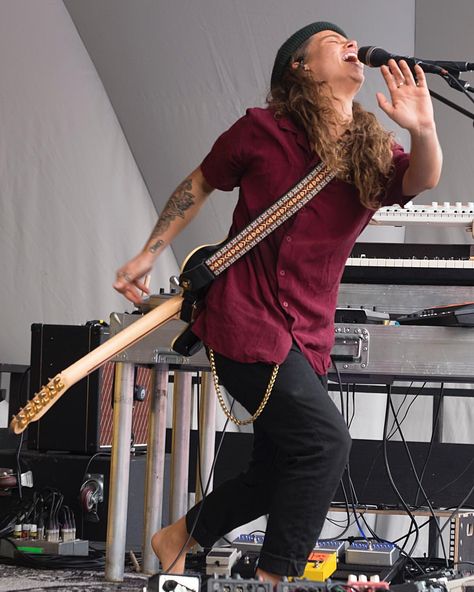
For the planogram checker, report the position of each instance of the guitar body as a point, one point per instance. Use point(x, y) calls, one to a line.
point(195, 278)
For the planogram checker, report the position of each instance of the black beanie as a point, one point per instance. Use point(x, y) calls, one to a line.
point(291, 45)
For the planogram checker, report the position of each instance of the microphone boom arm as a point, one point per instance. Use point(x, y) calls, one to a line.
point(452, 105)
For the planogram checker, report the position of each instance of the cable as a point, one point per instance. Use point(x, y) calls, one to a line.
point(389, 472)
point(204, 493)
point(456, 510)
point(415, 397)
point(347, 519)
point(412, 464)
point(349, 424)
point(454, 83)
point(20, 444)
point(339, 383)
point(432, 439)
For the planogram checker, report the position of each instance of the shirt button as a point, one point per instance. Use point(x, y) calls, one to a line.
point(282, 272)
point(285, 304)
point(288, 239)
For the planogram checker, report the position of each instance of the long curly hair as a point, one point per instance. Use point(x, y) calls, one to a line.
point(363, 154)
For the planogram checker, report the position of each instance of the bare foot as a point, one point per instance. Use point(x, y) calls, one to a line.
point(168, 542)
point(266, 576)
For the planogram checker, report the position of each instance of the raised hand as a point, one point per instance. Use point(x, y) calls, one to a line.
point(410, 103)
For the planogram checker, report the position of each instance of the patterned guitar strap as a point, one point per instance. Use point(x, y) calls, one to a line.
point(280, 211)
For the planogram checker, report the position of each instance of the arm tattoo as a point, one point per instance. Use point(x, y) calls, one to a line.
point(181, 200)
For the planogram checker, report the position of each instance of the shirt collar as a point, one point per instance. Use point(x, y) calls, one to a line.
point(287, 124)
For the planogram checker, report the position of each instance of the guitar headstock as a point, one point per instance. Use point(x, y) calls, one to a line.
point(39, 404)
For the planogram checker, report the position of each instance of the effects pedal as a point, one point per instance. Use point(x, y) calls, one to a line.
point(330, 546)
point(217, 584)
point(248, 542)
point(372, 553)
point(320, 566)
point(220, 560)
point(363, 584)
point(301, 586)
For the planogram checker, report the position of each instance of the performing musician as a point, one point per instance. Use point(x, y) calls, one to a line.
point(272, 312)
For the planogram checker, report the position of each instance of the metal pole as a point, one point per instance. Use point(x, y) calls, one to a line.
point(207, 432)
point(155, 467)
point(182, 405)
point(119, 473)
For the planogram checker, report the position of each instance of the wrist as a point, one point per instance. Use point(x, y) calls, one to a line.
point(423, 131)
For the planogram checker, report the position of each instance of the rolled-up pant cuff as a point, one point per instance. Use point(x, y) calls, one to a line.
point(199, 534)
point(282, 566)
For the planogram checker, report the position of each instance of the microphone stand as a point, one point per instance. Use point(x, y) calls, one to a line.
point(460, 85)
point(452, 105)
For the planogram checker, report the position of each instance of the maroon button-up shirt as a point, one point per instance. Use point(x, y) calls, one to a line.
point(286, 287)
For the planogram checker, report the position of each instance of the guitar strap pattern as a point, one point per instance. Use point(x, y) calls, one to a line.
point(285, 207)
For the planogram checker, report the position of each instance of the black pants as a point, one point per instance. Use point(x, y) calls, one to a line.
point(301, 446)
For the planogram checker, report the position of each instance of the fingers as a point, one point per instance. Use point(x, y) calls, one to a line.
point(384, 104)
point(400, 74)
point(132, 289)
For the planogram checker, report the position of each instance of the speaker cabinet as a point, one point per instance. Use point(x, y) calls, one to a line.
point(81, 420)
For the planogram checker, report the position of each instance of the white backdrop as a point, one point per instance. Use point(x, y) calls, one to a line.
point(105, 105)
point(73, 203)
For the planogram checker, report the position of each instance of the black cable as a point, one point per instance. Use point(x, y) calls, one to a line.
point(432, 439)
point(456, 510)
point(204, 493)
point(447, 485)
point(390, 476)
point(198, 411)
point(93, 457)
point(415, 474)
point(415, 397)
point(339, 383)
point(454, 83)
point(20, 444)
point(349, 424)
point(354, 501)
point(347, 519)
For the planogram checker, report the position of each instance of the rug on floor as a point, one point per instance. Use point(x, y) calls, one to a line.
point(26, 579)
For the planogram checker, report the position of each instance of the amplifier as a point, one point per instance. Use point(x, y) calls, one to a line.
point(81, 421)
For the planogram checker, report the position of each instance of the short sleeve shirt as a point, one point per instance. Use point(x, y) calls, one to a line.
point(285, 289)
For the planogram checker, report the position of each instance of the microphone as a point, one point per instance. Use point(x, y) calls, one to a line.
point(376, 57)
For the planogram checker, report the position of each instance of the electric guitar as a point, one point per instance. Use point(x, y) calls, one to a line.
point(195, 277)
point(199, 269)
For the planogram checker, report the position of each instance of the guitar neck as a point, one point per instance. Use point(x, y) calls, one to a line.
point(125, 338)
point(56, 387)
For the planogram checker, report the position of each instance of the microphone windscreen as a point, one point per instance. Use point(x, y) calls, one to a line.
point(373, 56)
